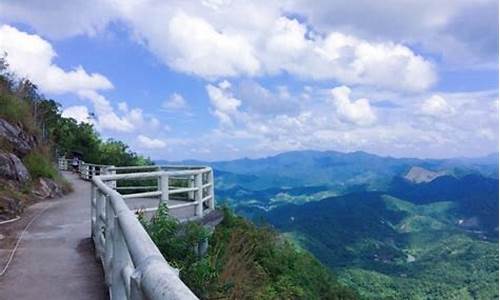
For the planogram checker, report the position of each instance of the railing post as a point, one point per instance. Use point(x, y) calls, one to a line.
point(121, 265)
point(164, 188)
point(211, 203)
point(93, 196)
point(109, 251)
point(191, 180)
point(199, 194)
point(99, 225)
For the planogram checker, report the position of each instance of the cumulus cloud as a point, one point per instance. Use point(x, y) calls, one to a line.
point(358, 111)
point(78, 112)
point(436, 106)
point(31, 56)
point(342, 118)
point(175, 103)
point(240, 38)
point(225, 105)
point(60, 18)
point(462, 31)
point(151, 143)
point(193, 45)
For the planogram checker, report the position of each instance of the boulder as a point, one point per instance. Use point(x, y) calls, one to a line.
point(21, 142)
point(9, 207)
point(11, 167)
point(47, 188)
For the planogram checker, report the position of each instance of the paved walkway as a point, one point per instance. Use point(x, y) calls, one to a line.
point(55, 258)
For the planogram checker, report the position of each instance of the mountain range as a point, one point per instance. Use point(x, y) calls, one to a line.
point(391, 228)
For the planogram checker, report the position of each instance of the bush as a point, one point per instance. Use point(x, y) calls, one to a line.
point(16, 110)
point(39, 165)
point(243, 262)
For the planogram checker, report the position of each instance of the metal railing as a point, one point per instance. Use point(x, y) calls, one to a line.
point(134, 267)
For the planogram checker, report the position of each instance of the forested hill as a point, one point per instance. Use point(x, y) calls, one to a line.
point(434, 240)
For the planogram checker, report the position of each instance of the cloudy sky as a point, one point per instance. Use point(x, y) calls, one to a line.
point(223, 79)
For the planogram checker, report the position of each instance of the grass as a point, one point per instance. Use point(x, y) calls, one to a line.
point(39, 165)
point(15, 110)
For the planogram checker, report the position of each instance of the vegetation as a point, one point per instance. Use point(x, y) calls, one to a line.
point(243, 261)
point(390, 248)
point(22, 104)
point(39, 165)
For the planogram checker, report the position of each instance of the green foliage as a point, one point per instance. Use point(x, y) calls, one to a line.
point(243, 262)
point(14, 110)
point(39, 165)
point(389, 248)
point(177, 242)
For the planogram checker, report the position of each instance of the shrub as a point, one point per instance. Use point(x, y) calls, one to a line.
point(16, 110)
point(39, 165)
point(243, 262)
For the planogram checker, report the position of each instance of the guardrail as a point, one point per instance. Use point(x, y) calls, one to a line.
point(134, 267)
point(86, 170)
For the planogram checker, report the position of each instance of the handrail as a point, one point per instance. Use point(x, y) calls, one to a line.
point(86, 170)
point(134, 267)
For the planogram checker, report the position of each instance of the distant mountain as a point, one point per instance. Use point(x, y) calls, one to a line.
point(476, 196)
point(342, 172)
point(419, 175)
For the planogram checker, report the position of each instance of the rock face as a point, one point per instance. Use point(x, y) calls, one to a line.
point(21, 142)
point(9, 207)
point(11, 167)
point(46, 188)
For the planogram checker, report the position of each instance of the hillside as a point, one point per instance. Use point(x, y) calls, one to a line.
point(396, 245)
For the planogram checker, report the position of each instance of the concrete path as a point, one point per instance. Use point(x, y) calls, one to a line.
point(55, 258)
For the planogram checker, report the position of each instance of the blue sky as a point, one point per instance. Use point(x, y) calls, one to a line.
point(223, 79)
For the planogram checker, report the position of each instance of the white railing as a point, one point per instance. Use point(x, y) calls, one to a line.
point(134, 267)
point(86, 170)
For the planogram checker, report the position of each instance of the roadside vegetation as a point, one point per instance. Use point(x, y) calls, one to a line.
point(244, 261)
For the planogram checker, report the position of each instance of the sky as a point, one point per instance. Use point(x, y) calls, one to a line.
point(225, 79)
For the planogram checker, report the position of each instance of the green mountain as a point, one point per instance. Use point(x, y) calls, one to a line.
point(339, 171)
point(436, 240)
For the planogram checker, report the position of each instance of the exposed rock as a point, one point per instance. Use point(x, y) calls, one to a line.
point(11, 167)
point(9, 207)
point(420, 175)
point(21, 142)
point(46, 188)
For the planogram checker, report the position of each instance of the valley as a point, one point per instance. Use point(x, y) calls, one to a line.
point(389, 228)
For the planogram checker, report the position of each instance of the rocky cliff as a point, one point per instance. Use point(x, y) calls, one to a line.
point(18, 188)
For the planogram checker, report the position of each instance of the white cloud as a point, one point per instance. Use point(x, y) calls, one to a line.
point(151, 143)
point(225, 105)
point(239, 38)
point(358, 111)
point(31, 56)
point(78, 112)
point(463, 32)
point(194, 46)
point(60, 18)
point(436, 106)
point(175, 103)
